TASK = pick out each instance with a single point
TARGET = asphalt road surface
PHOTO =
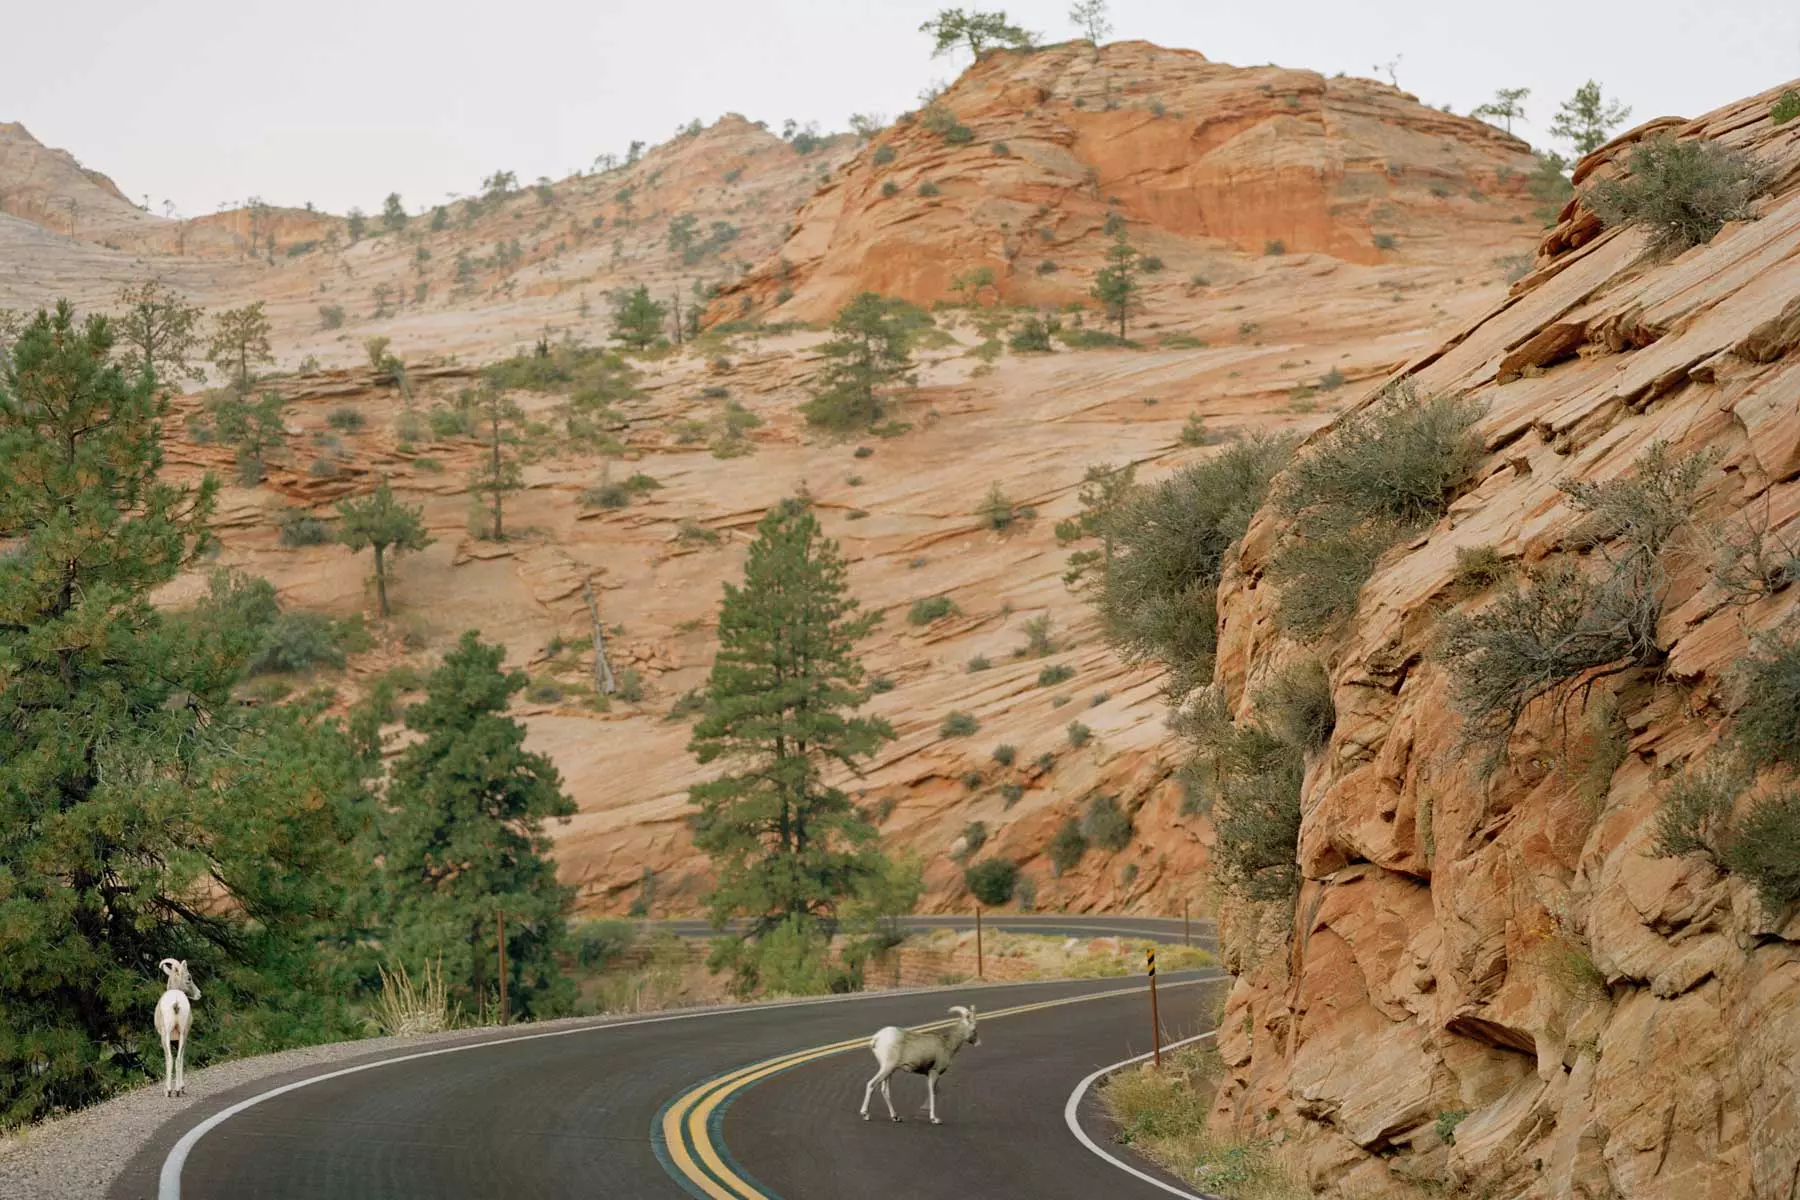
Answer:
(583, 1110)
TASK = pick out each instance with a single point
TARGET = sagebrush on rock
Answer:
(1679, 192)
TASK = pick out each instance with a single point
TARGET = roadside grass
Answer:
(1162, 1114)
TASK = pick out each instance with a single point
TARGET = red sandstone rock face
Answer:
(1428, 965)
(1183, 148)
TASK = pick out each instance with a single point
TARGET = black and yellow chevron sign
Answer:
(1150, 961)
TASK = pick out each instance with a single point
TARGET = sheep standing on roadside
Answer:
(173, 1015)
(923, 1052)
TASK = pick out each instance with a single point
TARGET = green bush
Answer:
(1763, 848)
(1331, 380)
(1767, 726)
(631, 685)
(331, 316)
(297, 641)
(1380, 473)
(992, 881)
(450, 422)
(1786, 107)
(1478, 568)
(883, 155)
(1052, 675)
(346, 420)
(1385, 241)
(1011, 794)
(297, 527)
(1695, 814)
(889, 189)
(1274, 247)
(1168, 541)
(1106, 825)
(1068, 845)
(1766, 849)
(979, 663)
(1298, 707)
(1004, 754)
(599, 943)
(959, 135)
(958, 724)
(1679, 192)
(997, 512)
(1032, 335)
(924, 612)
(929, 188)
(1078, 734)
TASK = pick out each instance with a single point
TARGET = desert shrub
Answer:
(692, 533)
(1274, 247)
(631, 685)
(1195, 433)
(297, 527)
(1679, 192)
(1032, 335)
(1106, 825)
(448, 422)
(544, 690)
(929, 188)
(959, 135)
(1752, 561)
(410, 427)
(1785, 108)
(1011, 794)
(997, 512)
(974, 837)
(1695, 813)
(1057, 673)
(979, 663)
(1765, 849)
(881, 684)
(331, 316)
(1256, 817)
(1047, 266)
(1045, 762)
(958, 724)
(1767, 725)
(346, 420)
(1094, 339)
(1038, 639)
(1004, 754)
(296, 641)
(992, 881)
(1538, 640)
(1168, 541)
(600, 943)
(1297, 705)
(1150, 264)
(1447, 1122)
(1382, 472)
(924, 612)
(1002, 149)
(889, 189)
(1477, 569)
(1385, 241)
(1644, 509)
(1698, 816)
(607, 495)
(971, 779)
(883, 155)
(1078, 734)
(1068, 845)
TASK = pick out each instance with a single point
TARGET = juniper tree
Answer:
(1116, 286)
(637, 319)
(240, 343)
(497, 472)
(780, 712)
(143, 815)
(379, 521)
(1090, 17)
(1505, 106)
(870, 350)
(393, 213)
(465, 841)
(158, 332)
(975, 29)
(1587, 118)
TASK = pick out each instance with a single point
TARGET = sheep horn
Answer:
(967, 1014)
(168, 966)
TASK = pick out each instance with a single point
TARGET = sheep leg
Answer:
(931, 1096)
(181, 1065)
(168, 1068)
(888, 1098)
(868, 1091)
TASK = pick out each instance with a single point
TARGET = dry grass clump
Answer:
(406, 1009)
(1162, 1114)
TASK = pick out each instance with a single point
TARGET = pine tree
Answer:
(393, 213)
(1587, 118)
(977, 30)
(497, 473)
(785, 844)
(637, 319)
(381, 522)
(1116, 286)
(1090, 17)
(465, 839)
(158, 332)
(240, 342)
(870, 351)
(1505, 106)
(255, 429)
(143, 815)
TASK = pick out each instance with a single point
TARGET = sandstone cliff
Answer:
(1016, 166)
(1507, 952)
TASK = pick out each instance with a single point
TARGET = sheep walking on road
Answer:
(923, 1052)
(173, 1015)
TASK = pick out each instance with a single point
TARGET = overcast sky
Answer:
(341, 101)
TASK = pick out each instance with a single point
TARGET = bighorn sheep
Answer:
(923, 1052)
(173, 1014)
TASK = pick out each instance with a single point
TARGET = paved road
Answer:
(575, 1111)
(1168, 930)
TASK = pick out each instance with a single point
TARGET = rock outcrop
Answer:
(1014, 170)
(1492, 983)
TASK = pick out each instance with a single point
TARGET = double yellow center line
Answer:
(687, 1134)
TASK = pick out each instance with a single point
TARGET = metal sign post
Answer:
(1155, 1021)
(500, 941)
(980, 972)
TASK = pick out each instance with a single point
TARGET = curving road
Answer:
(748, 1102)
(1168, 930)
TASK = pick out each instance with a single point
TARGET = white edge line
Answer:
(168, 1185)
(1072, 1108)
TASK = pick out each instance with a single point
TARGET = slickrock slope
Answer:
(1613, 1024)
(1016, 166)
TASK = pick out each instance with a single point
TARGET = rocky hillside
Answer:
(1015, 169)
(1491, 981)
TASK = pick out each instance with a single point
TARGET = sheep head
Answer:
(175, 970)
(966, 1016)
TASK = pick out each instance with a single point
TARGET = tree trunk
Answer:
(603, 676)
(381, 580)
